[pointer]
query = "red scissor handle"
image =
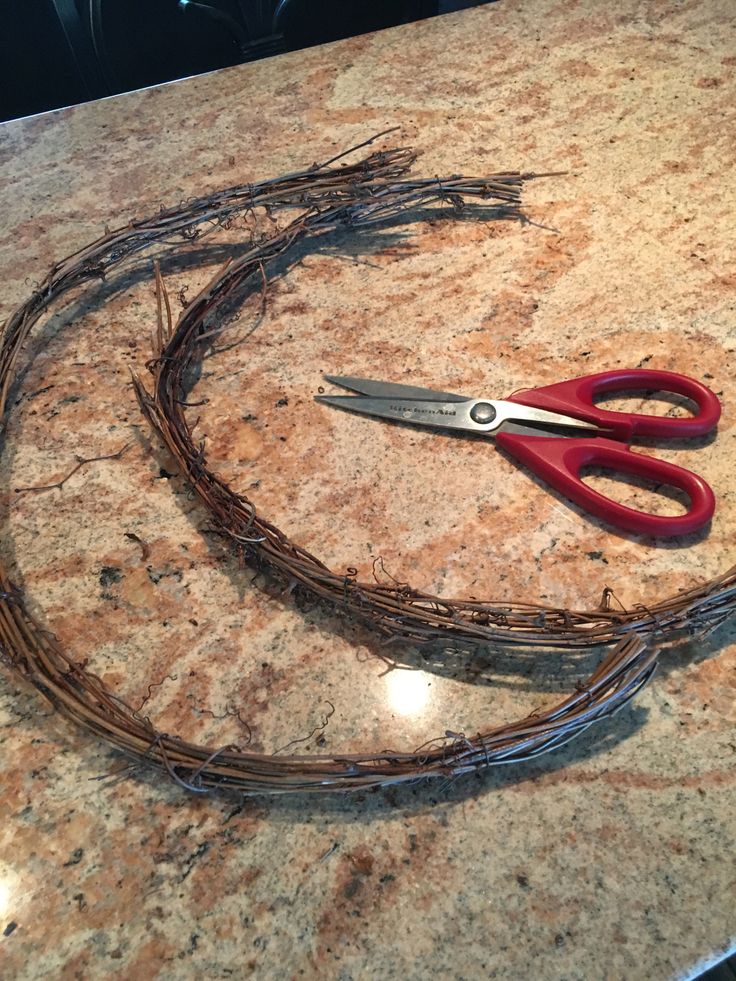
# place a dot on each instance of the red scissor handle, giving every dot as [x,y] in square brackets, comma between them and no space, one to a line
[575,398]
[559,461]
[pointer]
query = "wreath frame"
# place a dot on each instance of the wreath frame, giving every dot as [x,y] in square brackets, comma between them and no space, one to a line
[329,196]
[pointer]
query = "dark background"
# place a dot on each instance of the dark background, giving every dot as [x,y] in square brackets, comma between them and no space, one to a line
[58,52]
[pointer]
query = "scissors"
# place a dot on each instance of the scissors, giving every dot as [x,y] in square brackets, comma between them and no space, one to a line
[558,430]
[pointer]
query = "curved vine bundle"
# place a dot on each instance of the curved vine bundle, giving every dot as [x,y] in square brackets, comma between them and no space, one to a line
[325,197]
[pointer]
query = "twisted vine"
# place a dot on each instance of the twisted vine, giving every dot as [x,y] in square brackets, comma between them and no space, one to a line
[326,197]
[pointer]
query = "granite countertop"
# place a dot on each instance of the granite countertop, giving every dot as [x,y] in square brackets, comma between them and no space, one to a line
[610,858]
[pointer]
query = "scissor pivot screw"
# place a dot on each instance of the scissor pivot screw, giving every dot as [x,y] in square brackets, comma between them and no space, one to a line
[482,413]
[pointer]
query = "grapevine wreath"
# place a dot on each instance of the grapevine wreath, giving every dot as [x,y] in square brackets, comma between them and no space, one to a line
[321,199]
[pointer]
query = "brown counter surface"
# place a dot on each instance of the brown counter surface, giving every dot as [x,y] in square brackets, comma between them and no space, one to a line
[613,857]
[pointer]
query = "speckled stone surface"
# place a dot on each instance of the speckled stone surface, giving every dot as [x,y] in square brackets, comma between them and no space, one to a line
[612,858]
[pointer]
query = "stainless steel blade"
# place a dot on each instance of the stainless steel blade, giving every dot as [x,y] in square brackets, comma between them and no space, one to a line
[482,417]
[378,389]
[527,415]
[437,414]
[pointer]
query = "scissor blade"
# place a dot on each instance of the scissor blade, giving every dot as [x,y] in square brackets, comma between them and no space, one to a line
[527,415]
[438,414]
[391,390]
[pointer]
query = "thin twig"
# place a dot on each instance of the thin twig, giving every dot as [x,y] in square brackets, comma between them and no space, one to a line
[81,462]
[319,728]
